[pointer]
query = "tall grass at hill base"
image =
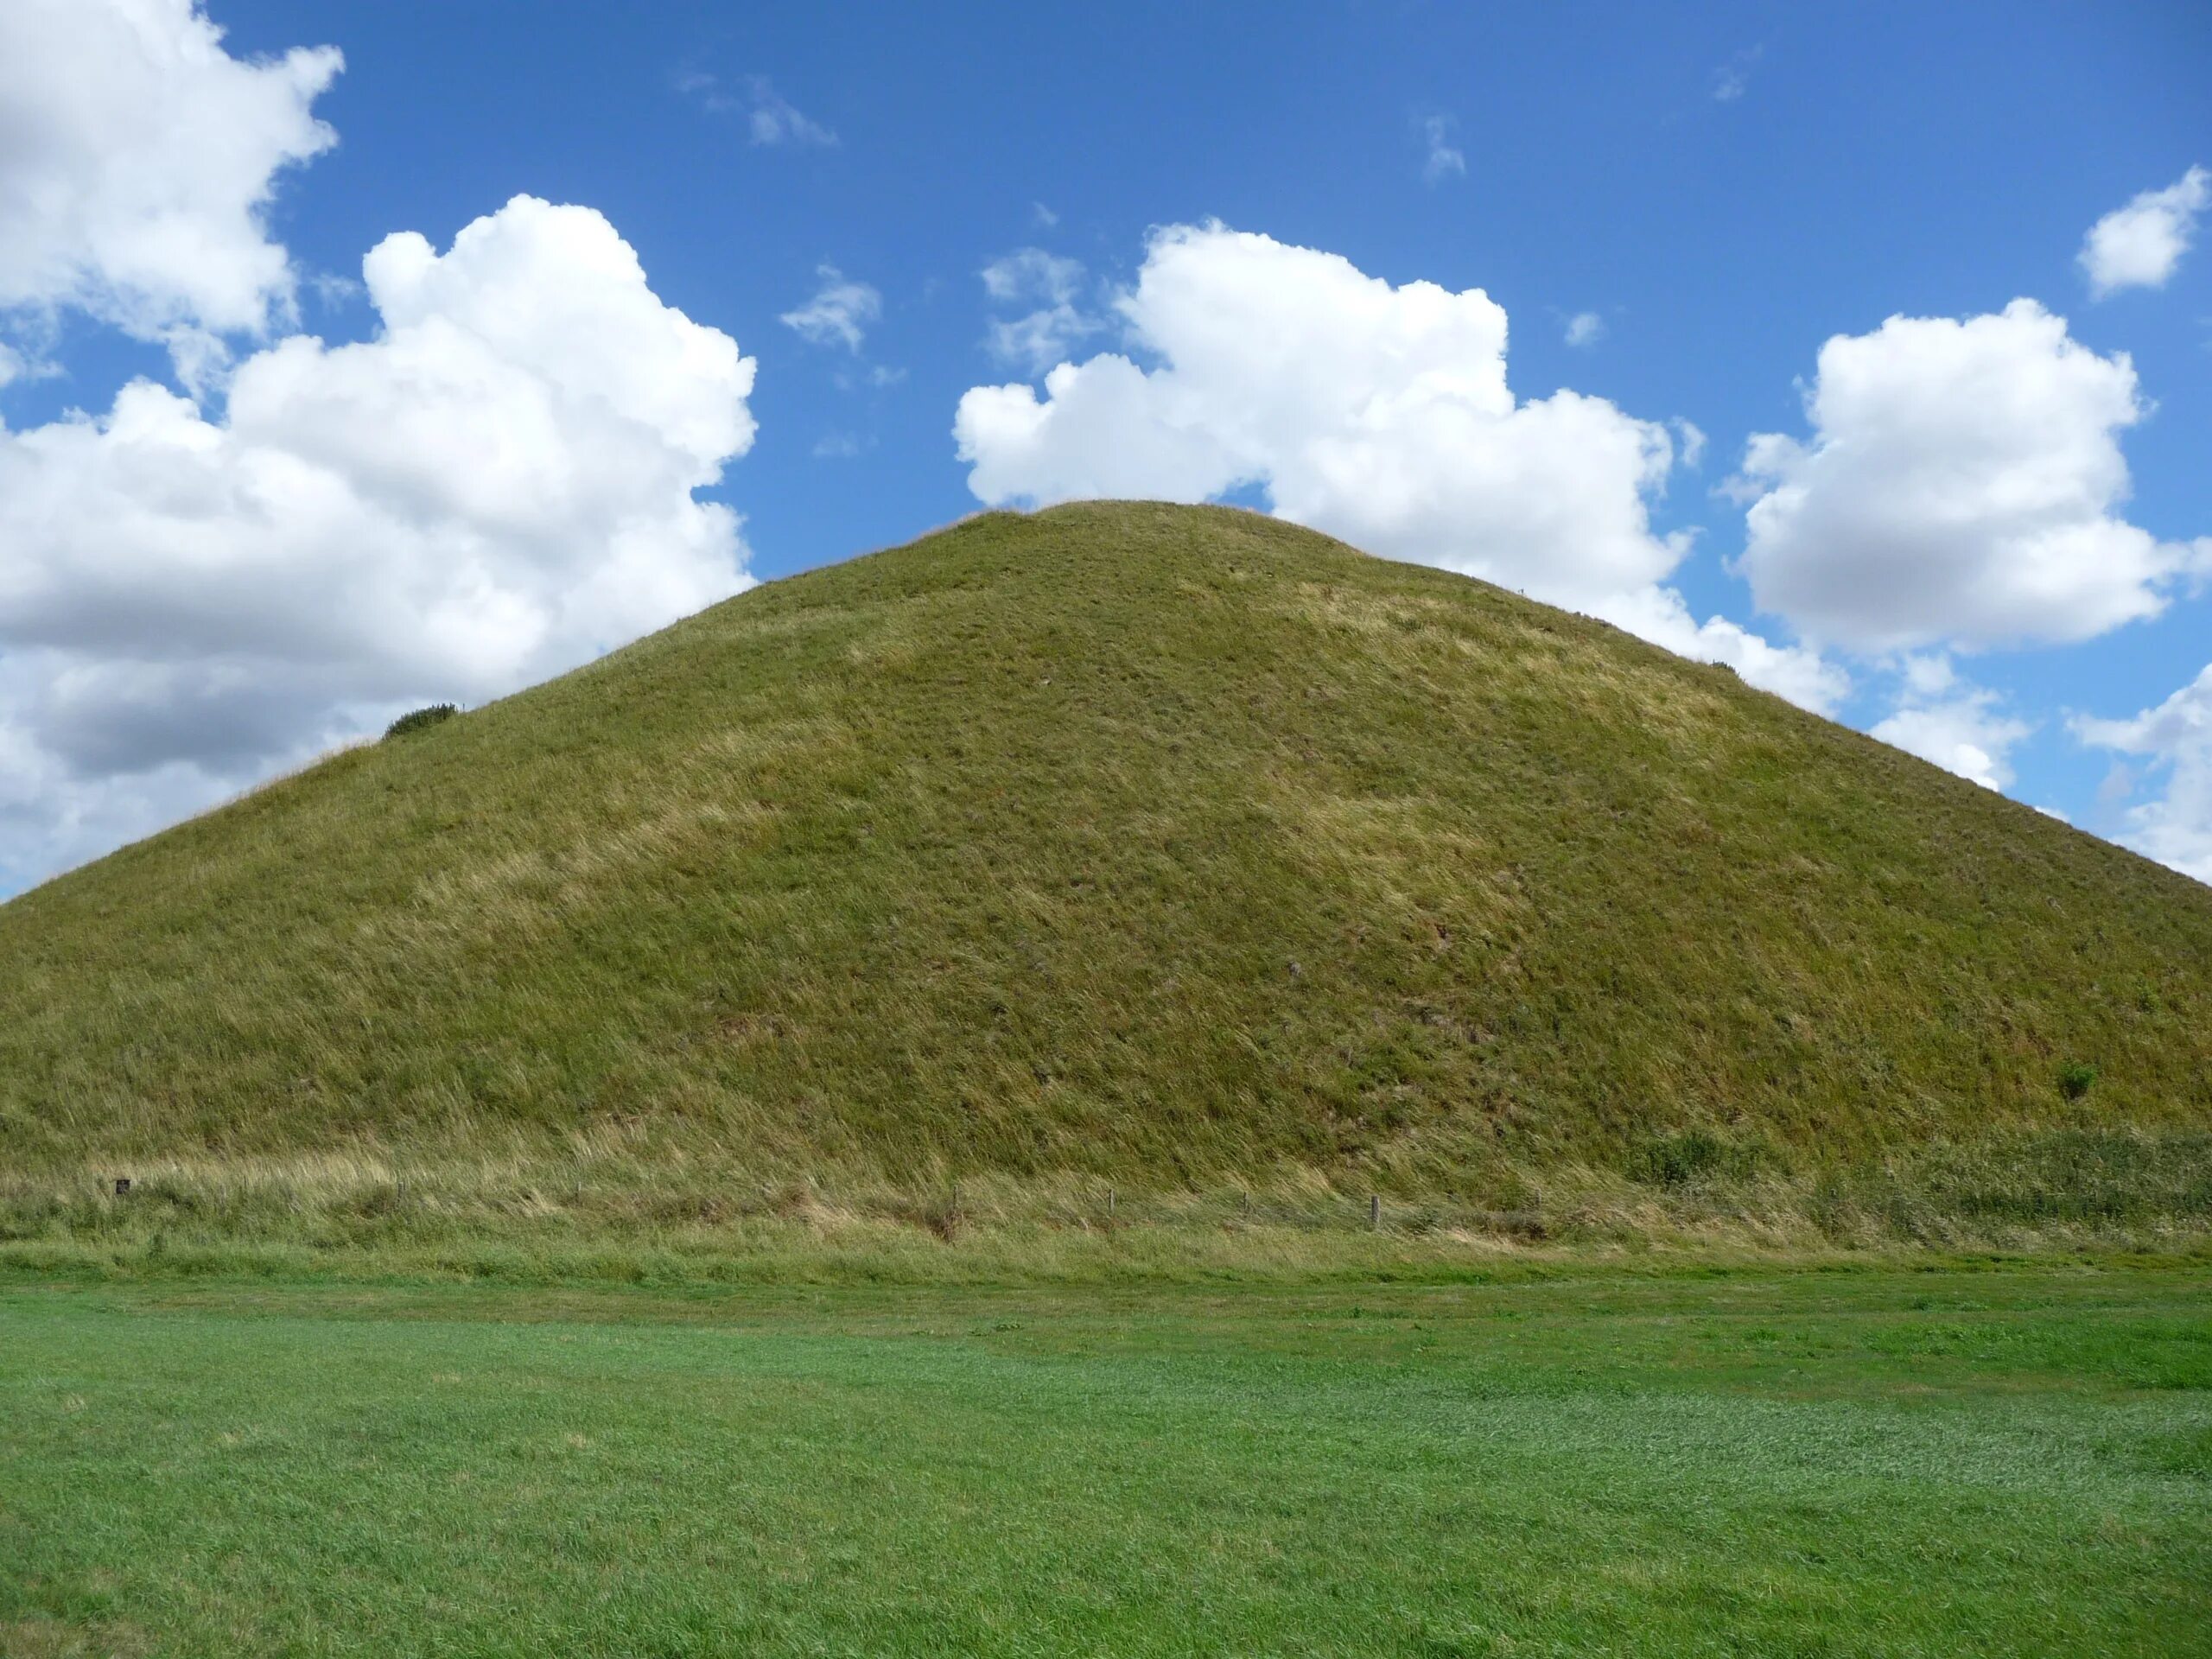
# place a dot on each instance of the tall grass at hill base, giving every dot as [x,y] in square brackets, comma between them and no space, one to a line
[537,1217]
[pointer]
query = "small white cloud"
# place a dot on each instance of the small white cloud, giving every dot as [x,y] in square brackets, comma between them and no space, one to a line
[2139,245]
[1037,339]
[839,314]
[2175,828]
[1031,274]
[1584,328]
[1045,218]
[331,290]
[871,377]
[773,120]
[2053,812]
[1049,285]
[1444,160]
[1691,438]
[1964,731]
[1733,79]
[1961,486]
[838,445]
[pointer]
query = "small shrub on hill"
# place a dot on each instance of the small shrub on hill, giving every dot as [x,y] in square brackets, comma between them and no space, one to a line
[1690,1158]
[2075,1080]
[415,719]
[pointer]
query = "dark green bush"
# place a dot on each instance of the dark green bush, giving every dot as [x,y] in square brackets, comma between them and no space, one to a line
[2074,1080]
[415,719]
[1690,1158]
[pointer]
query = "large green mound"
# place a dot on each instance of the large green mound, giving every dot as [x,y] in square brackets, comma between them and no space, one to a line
[1165,847]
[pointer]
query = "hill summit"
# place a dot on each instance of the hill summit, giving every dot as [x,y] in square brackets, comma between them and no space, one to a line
[1172,847]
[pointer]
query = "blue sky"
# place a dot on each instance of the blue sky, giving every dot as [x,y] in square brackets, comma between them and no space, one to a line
[1722,188]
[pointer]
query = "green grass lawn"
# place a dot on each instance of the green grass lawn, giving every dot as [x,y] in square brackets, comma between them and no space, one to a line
[1936,1462]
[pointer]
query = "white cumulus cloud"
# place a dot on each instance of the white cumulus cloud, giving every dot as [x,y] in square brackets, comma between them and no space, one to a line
[497,487]
[137,160]
[2175,828]
[1961,486]
[840,314]
[2139,245]
[1378,414]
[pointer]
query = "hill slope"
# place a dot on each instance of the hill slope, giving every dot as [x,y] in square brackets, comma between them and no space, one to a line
[1172,847]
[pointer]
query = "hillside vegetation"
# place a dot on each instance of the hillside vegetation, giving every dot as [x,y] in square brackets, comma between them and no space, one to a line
[1175,850]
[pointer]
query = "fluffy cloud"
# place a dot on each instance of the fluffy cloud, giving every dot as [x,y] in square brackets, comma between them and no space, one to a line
[496,488]
[1957,727]
[1584,328]
[839,314]
[2139,245]
[1380,415]
[2175,829]
[1960,484]
[137,162]
[1048,285]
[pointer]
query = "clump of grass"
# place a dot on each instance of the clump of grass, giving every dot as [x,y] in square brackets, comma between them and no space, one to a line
[1692,1157]
[2075,1079]
[2008,1188]
[417,720]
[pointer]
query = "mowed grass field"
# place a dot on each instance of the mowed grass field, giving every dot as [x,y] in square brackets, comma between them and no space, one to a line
[1935,1462]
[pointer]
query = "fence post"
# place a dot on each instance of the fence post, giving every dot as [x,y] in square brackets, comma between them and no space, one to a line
[1375,1212]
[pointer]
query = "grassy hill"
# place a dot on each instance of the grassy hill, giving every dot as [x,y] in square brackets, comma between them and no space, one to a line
[1175,850]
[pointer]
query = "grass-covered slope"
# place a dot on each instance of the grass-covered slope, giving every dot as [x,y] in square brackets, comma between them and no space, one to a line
[1171,847]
